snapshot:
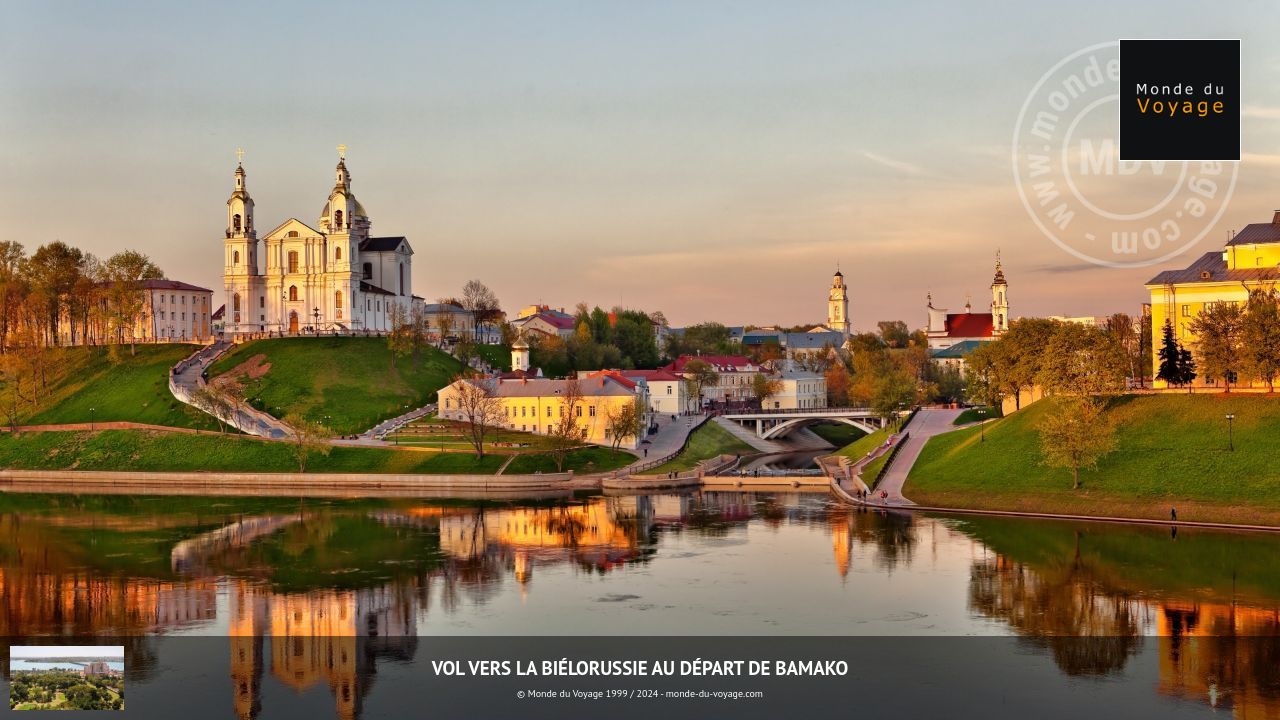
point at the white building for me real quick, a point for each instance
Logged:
(800, 389)
(333, 277)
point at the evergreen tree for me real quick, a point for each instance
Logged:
(1170, 357)
(1186, 371)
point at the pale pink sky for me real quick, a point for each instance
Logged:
(711, 160)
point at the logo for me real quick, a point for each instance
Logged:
(1082, 196)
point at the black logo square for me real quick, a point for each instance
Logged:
(1180, 100)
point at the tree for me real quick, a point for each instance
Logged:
(1170, 356)
(1260, 336)
(837, 385)
(210, 401)
(481, 302)
(764, 387)
(1186, 367)
(1219, 349)
(565, 433)
(894, 333)
(13, 287)
(698, 375)
(1075, 435)
(1081, 360)
(309, 438)
(627, 420)
(981, 383)
(54, 270)
(1120, 327)
(127, 299)
(479, 407)
(894, 391)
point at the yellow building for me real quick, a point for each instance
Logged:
(537, 404)
(1248, 261)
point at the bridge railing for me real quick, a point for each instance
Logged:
(802, 411)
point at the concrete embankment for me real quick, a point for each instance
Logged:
(291, 484)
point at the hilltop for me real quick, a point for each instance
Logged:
(348, 384)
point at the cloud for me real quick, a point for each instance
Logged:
(900, 165)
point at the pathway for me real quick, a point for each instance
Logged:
(188, 375)
(926, 423)
(670, 437)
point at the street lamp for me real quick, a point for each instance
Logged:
(1231, 445)
(91, 419)
(982, 426)
(315, 326)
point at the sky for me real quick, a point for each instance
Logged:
(31, 652)
(712, 160)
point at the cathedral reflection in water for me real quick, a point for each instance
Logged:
(305, 620)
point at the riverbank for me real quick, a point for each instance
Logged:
(1172, 451)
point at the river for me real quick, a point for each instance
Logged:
(703, 563)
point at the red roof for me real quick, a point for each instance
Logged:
(612, 375)
(969, 325)
(719, 362)
(658, 375)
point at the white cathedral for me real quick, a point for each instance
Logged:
(336, 278)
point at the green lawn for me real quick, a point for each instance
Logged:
(838, 434)
(159, 451)
(585, 460)
(347, 384)
(864, 445)
(707, 441)
(972, 415)
(1171, 451)
(498, 356)
(873, 467)
(89, 386)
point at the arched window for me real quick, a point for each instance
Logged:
(337, 253)
(337, 299)
(368, 271)
(293, 261)
(337, 219)
(401, 278)
(235, 302)
(235, 222)
(235, 257)
(293, 293)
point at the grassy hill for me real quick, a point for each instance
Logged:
(148, 451)
(706, 442)
(347, 384)
(132, 388)
(1171, 451)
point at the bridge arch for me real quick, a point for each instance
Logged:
(785, 428)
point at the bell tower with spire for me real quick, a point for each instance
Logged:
(241, 276)
(838, 305)
(999, 301)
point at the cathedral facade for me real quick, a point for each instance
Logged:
(335, 277)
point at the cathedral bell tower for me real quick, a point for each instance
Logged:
(999, 301)
(241, 243)
(838, 305)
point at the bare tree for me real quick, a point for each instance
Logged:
(624, 422)
(479, 408)
(214, 403)
(481, 302)
(566, 433)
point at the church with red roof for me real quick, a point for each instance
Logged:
(946, 329)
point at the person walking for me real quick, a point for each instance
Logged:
(1173, 514)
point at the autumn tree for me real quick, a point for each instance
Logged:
(1260, 336)
(698, 376)
(309, 438)
(764, 387)
(1076, 435)
(837, 377)
(1081, 360)
(123, 275)
(1219, 347)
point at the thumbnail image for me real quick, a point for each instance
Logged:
(66, 677)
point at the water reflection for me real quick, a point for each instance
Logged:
(318, 594)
